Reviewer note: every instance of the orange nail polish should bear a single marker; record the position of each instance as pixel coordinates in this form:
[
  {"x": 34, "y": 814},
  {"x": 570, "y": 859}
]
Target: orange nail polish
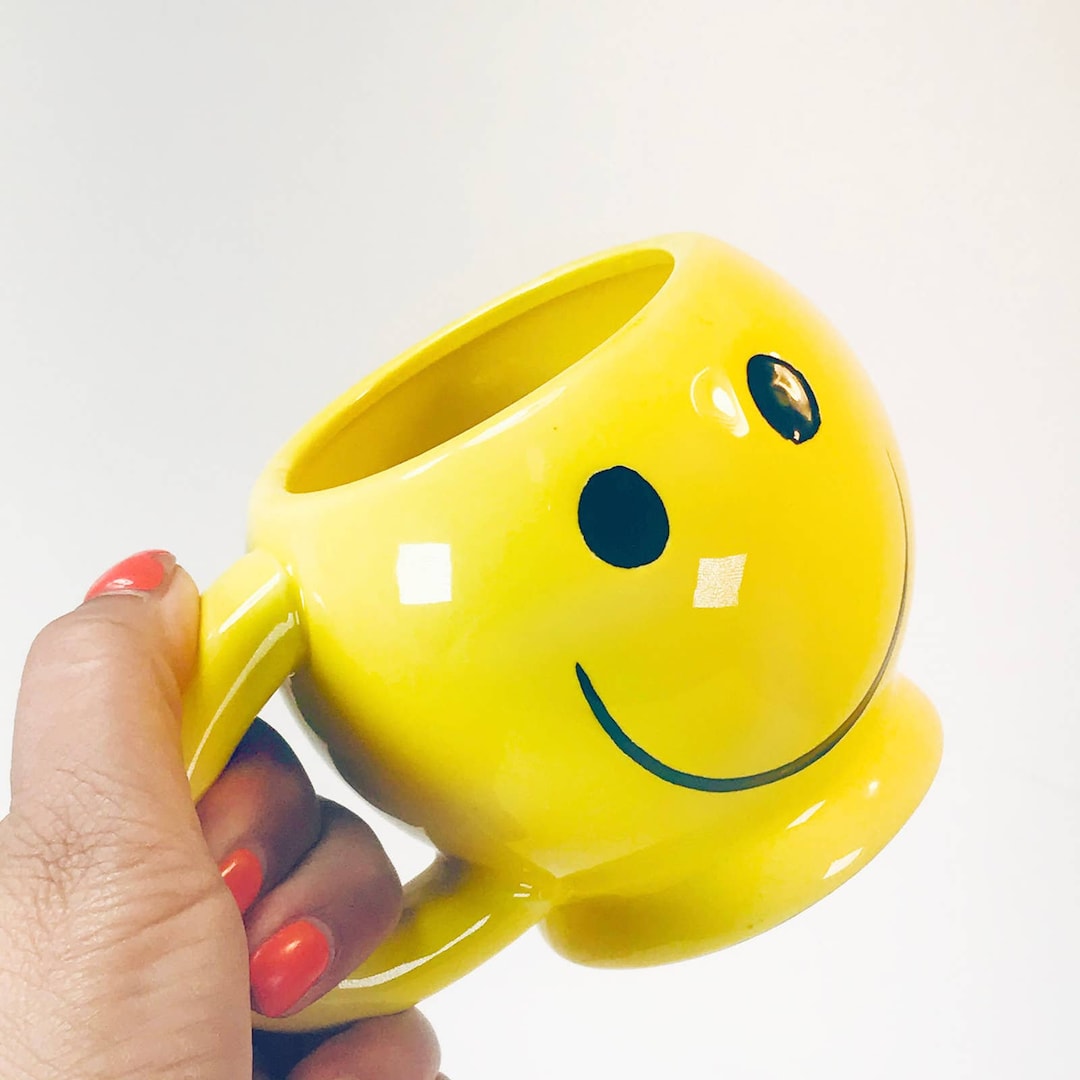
[
  {"x": 141, "y": 573},
  {"x": 243, "y": 874},
  {"x": 286, "y": 966}
]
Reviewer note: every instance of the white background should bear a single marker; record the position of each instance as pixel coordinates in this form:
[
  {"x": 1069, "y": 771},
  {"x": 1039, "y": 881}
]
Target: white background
[{"x": 216, "y": 216}]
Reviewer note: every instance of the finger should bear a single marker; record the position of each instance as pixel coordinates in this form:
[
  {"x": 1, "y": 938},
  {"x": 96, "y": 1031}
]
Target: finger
[
  {"x": 98, "y": 715},
  {"x": 277, "y": 1053},
  {"x": 315, "y": 928},
  {"x": 398, "y": 1047},
  {"x": 261, "y": 816}
]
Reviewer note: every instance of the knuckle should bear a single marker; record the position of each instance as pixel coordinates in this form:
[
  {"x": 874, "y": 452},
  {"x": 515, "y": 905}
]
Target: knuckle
[
  {"x": 261, "y": 741},
  {"x": 85, "y": 634},
  {"x": 45, "y": 868},
  {"x": 425, "y": 1036},
  {"x": 68, "y": 884},
  {"x": 86, "y": 648},
  {"x": 378, "y": 880},
  {"x": 277, "y": 772},
  {"x": 382, "y": 892},
  {"x": 384, "y": 897}
]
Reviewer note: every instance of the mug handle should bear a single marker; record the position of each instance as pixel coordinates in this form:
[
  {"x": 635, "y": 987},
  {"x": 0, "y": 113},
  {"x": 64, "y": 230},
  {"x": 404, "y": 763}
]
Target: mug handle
[{"x": 455, "y": 915}]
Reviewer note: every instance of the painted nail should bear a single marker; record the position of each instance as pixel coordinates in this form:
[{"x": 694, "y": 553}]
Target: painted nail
[
  {"x": 242, "y": 872},
  {"x": 141, "y": 573},
  {"x": 286, "y": 966}
]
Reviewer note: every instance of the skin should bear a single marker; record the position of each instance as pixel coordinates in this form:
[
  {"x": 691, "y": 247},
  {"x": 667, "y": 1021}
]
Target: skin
[{"x": 122, "y": 953}]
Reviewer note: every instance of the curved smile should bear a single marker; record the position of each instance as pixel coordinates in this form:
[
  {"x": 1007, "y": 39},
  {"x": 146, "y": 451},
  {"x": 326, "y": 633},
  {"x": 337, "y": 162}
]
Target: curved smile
[{"x": 640, "y": 756}]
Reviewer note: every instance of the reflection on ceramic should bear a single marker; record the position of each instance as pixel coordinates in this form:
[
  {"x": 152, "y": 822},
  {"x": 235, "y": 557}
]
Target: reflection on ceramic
[
  {"x": 718, "y": 581},
  {"x": 602, "y": 588},
  {"x": 424, "y": 574},
  {"x": 713, "y": 395}
]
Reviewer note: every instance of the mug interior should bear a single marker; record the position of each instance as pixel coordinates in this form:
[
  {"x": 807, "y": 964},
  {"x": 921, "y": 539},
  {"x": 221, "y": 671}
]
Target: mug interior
[{"x": 471, "y": 373}]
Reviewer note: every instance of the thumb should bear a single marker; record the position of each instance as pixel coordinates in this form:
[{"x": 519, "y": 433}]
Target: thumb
[{"x": 97, "y": 723}]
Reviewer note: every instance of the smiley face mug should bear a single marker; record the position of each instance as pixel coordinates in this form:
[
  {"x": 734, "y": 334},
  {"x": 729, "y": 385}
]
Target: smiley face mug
[{"x": 602, "y": 588}]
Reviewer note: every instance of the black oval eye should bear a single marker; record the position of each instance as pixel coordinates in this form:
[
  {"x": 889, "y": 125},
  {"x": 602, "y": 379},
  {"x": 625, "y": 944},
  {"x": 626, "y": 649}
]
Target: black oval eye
[
  {"x": 622, "y": 518},
  {"x": 783, "y": 397}
]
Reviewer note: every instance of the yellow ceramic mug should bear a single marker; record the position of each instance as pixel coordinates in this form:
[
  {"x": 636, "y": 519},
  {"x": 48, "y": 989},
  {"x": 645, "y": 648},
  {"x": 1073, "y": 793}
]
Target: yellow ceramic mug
[{"x": 602, "y": 588}]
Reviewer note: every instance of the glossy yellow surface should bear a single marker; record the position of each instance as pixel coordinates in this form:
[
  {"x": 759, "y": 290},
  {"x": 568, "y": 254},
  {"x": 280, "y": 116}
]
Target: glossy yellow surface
[{"x": 653, "y": 761}]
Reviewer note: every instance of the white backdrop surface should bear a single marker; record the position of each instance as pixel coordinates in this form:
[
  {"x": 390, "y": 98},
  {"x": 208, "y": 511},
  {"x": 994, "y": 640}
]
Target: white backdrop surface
[{"x": 216, "y": 216}]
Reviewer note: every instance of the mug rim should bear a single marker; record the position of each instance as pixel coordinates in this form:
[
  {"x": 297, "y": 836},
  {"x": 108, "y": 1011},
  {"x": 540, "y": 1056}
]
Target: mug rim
[{"x": 324, "y": 426}]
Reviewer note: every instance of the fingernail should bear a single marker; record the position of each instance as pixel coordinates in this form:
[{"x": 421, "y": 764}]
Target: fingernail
[
  {"x": 141, "y": 573},
  {"x": 285, "y": 966},
  {"x": 242, "y": 872}
]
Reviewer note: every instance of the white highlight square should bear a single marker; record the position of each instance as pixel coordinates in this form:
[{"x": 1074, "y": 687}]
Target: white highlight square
[
  {"x": 423, "y": 573},
  {"x": 718, "y": 581}
]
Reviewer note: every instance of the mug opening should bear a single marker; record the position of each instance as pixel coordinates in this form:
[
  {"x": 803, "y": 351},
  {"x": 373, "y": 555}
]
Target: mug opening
[{"x": 474, "y": 372}]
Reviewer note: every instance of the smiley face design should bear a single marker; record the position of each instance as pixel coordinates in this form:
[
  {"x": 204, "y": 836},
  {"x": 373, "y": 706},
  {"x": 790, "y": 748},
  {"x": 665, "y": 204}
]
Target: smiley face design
[
  {"x": 624, "y": 522},
  {"x": 653, "y": 547}
]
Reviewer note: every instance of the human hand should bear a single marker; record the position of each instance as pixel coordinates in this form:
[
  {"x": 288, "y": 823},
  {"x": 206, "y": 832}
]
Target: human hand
[{"x": 122, "y": 948}]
